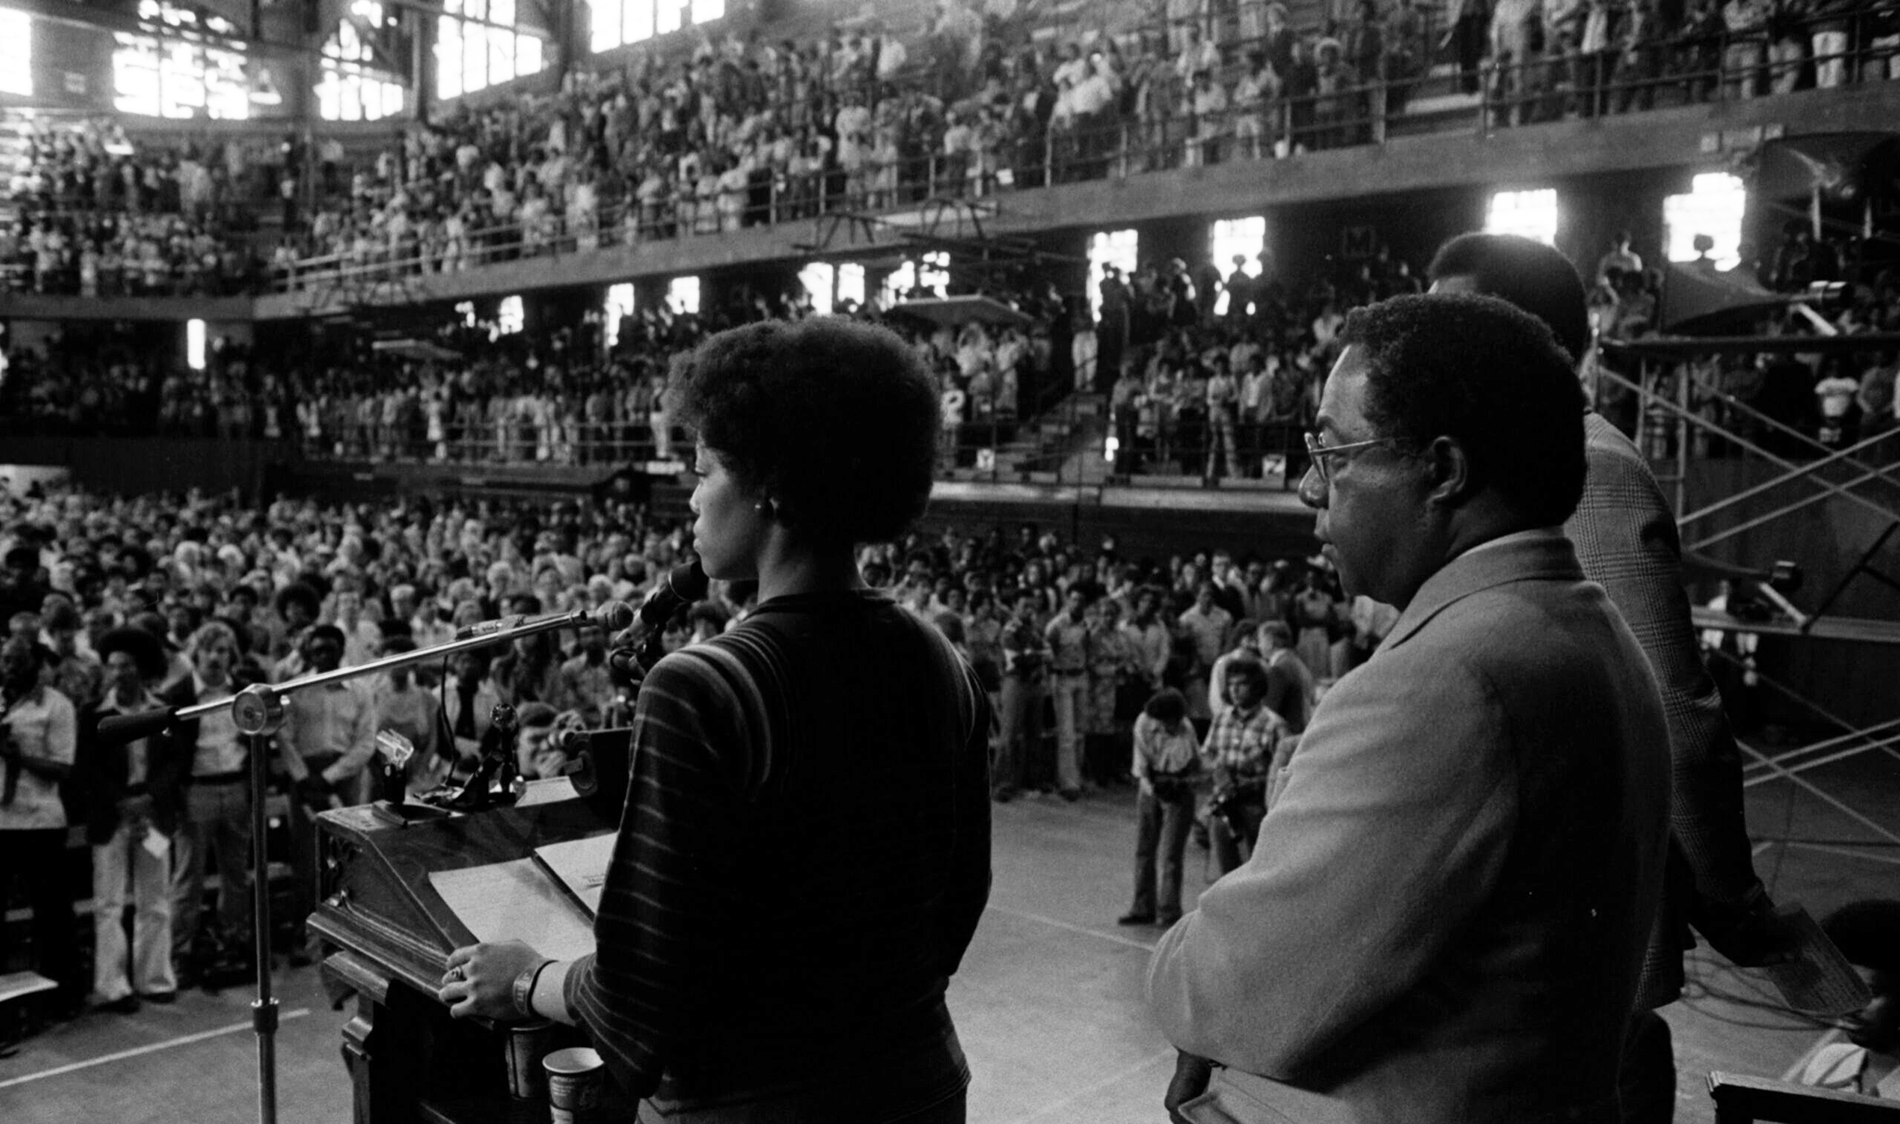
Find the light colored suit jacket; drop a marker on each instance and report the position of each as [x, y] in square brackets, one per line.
[1445, 916]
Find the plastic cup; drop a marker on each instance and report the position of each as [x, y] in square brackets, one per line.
[576, 1077]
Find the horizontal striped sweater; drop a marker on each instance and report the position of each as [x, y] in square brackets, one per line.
[801, 862]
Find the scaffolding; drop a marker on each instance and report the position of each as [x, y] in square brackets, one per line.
[1670, 393]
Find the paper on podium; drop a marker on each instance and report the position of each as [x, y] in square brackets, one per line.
[580, 867]
[516, 901]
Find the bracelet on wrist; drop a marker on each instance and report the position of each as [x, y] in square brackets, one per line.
[524, 989]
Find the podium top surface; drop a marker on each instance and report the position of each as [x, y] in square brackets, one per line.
[378, 900]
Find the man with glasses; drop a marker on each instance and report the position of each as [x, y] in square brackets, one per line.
[1445, 915]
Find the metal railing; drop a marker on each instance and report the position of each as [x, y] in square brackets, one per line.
[993, 445]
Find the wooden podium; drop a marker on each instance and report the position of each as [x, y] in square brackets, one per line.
[387, 934]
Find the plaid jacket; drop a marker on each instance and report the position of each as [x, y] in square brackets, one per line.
[1626, 539]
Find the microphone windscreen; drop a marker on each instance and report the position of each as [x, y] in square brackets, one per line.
[122, 728]
[688, 581]
[616, 615]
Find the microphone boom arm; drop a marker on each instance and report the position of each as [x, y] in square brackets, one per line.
[129, 727]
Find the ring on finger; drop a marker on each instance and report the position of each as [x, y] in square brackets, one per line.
[457, 974]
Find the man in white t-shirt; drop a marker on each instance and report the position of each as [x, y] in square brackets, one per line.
[37, 749]
[1836, 393]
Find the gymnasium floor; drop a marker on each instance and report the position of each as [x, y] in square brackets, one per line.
[1048, 1002]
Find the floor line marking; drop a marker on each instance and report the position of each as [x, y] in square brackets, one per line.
[1097, 1087]
[1760, 847]
[151, 1049]
[1087, 932]
[1827, 1037]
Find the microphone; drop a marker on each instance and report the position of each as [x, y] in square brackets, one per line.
[120, 729]
[613, 616]
[683, 585]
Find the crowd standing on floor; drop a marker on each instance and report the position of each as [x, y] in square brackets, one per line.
[119, 605]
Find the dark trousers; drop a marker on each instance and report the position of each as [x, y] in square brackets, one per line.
[38, 855]
[1161, 826]
[1647, 1084]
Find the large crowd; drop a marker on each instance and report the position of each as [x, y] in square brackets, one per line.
[700, 135]
[740, 132]
[1203, 373]
[100, 213]
[115, 604]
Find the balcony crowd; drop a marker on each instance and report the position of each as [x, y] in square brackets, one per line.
[701, 135]
[1196, 371]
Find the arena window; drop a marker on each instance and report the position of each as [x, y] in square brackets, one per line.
[179, 75]
[509, 316]
[619, 22]
[933, 276]
[683, 294]
[350, 88]
[474, 56]
[16, 53]
[820, 281]
[851, 283]
[1229, 237]
[1118, 248]
[619, 303]
[1713, 206]
[1532, 214]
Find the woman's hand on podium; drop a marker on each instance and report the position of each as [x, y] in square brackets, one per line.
[481, 978]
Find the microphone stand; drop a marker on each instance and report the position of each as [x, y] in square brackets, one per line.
[258, 712]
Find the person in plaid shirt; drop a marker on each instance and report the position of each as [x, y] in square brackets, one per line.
[1239, 752]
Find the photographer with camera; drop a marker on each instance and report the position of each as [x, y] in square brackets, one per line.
[1239, 751]
[1166, 766]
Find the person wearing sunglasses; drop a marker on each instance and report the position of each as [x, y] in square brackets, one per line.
[1445, 913]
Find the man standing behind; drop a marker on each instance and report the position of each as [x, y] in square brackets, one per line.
[1019, 726]
[135, 802]
[217, 800]
[328, 737]
[1626, 540]
[585, 679]
[1148, 635]
[1067, 635]
[1444, 919]
[38, 745]
[1289, 680]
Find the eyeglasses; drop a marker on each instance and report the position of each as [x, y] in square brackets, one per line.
[1319, 453]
